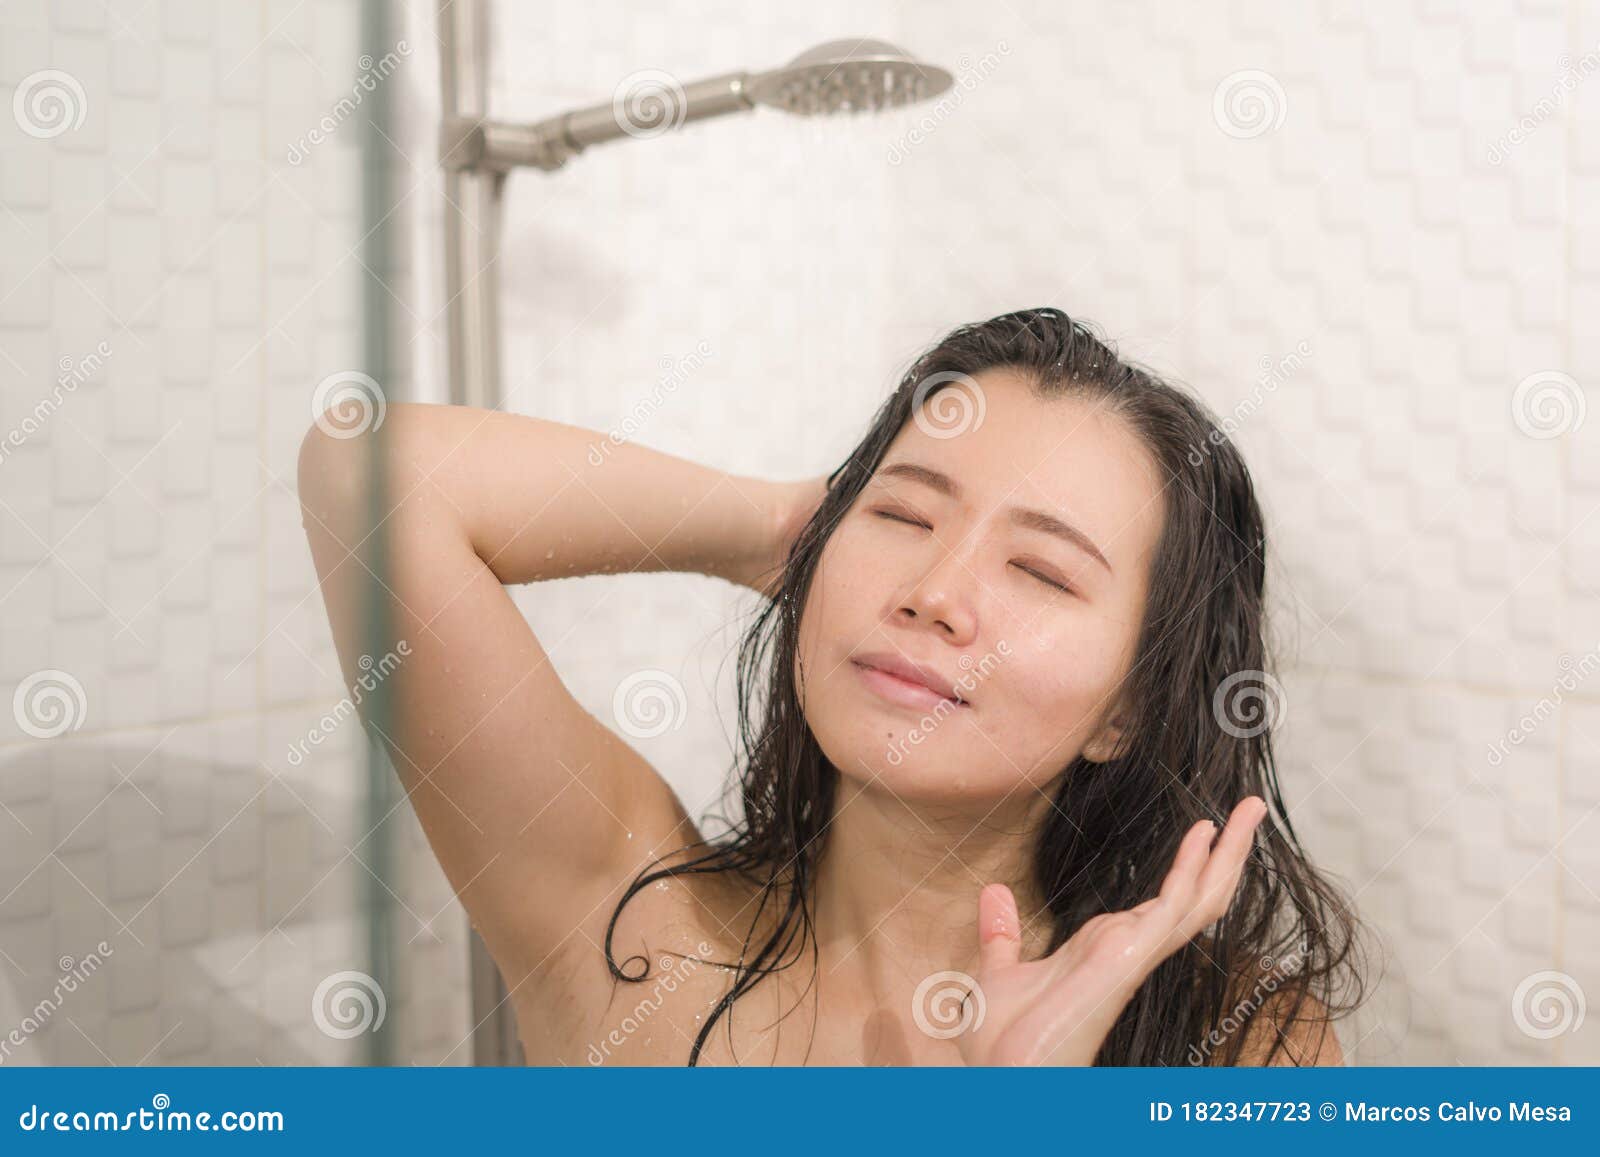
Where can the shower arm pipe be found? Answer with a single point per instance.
(499, 146)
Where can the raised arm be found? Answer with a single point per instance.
(526, 798)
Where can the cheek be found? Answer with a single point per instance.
(1056, 686)
(842, 579)
(1062, 666)
(814, 656)
(848, 564)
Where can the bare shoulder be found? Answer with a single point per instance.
(1283, 1034)
(666, 933)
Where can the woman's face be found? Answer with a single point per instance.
(954, 558)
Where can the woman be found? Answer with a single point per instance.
(997, 668)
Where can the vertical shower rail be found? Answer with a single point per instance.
(471, 244)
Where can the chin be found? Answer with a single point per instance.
(892, 755)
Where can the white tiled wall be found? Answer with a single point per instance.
(1435, 568)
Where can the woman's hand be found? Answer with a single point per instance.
(1059, 1009)
(790, 506)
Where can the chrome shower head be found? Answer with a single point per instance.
(856, 75)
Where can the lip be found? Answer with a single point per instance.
(901, 681)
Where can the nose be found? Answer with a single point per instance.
(942, 600)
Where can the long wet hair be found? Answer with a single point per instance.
(1197, 703)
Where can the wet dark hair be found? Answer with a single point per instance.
(1198, 704)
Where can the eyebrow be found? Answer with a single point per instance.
(1027, 517)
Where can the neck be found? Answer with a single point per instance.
(897, 889)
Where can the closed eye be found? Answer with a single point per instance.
(893, 517)
(1046, 579)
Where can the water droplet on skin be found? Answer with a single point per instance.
(661, 885)
(630, 835)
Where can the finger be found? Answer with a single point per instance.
(1178, 884)
(999, 928)
(1219, 880)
